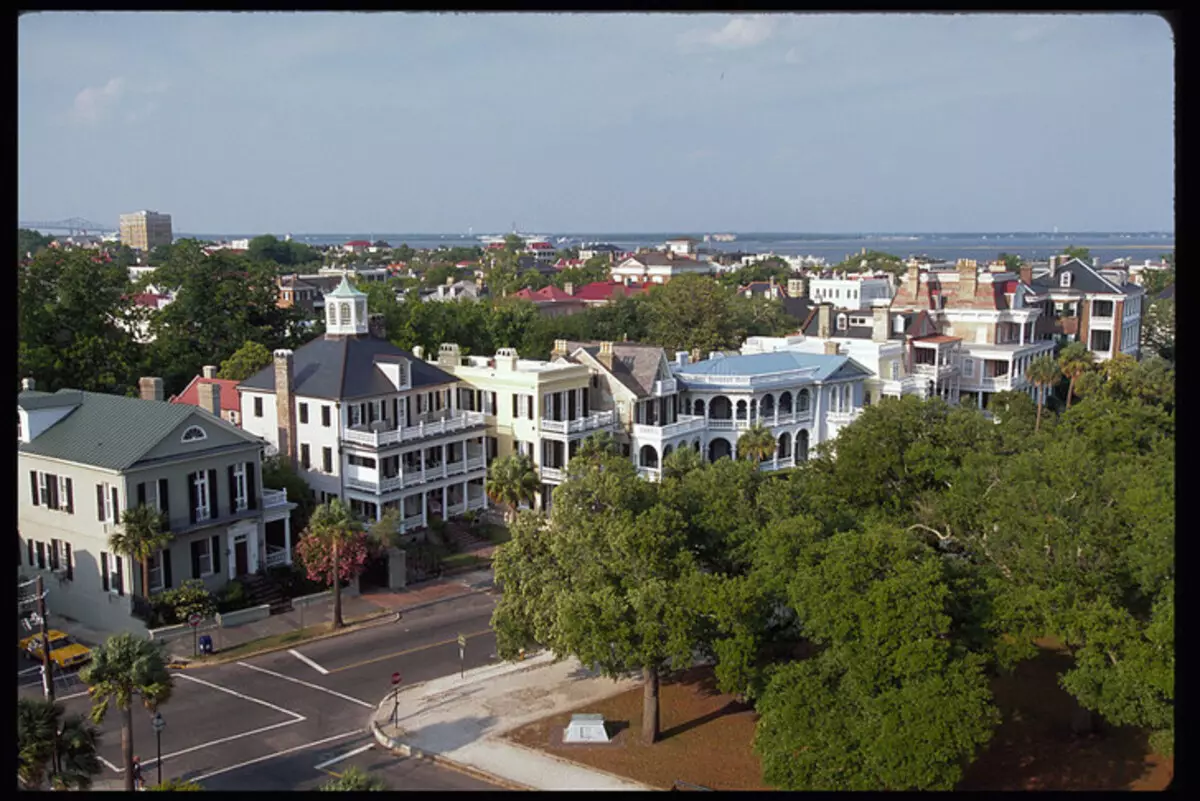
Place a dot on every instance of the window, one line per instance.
(156, 572)
(325, 416)
(304, 413)
(898, 324)
(201, 489)
(202, 561)
(193, 434)
(968, 367)
(516, 406)
(305, 459)
(1065, 279)
(111, 573)
(258, 407)
(107, 510)
(344, 313)
(327, 460)
(45, 482)
(41, 555)
(895, 365)
(238, 485)
(361, 461)
(841, 322)
(66, 495)
(332, 310)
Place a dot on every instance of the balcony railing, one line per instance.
(995, 384)
(579, 425)
(650, 473)
(475, 463)
(843, 417)
(277, 556)
(271, 498)
(378, 439)
(553, 473)
(686, 424)
(934, 369)
(777, 464)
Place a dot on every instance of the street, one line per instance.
(286, 720)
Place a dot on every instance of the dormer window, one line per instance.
(1065, 280)
(193, 434)
(898, 324)
(841, 322)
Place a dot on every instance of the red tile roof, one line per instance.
(551, 294)
(148, 299)
(231, 400)
(358, 243)
(607, 290)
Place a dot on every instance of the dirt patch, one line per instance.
(705, 737)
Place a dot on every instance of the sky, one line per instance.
(561, 123)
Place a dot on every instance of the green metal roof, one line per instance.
(110, 431)
(345, 290)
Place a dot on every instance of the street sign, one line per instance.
(395, 678)
(158, 722)
(462, 641)
(194, 620)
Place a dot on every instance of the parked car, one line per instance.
(64, 652)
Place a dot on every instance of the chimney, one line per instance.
(28, 384)
(824, 321)
(1027, 273)
(967, 278)
(208, 371)
(606, 355)
(681, 357)
(285, 405)
(569, 288)
(879, 324)
(560, 348)
(151, 388)
(795, 287)
(695, 355)
(210, 397)
(377, 326)
(1095, 261)
(449, 355)
(419, 352)
(1053, 265)
(831, 348)
(450, 281)
(506, 359)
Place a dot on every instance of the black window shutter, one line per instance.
(54, 554)
(104, 570)
(232, 490)
(216, 554)
(33, 485)
(100, 502)
(70, 563)
(116, 507)
(141, 493)
(166, 568)
(52, 480)
(164, 496)
(213, 510)
(196, 560)
(41, 555)
(251, 486)
(120, 575)
(29, 548)
(193, 495)
(70, 497)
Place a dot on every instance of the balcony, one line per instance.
(650, 473)
(935, 370)
(667, 386)
(360, 435)
(842, 418)
(273, 498)
(777, 464)
(996, 383)
(553, 475)
(686, 424)
(580, 425)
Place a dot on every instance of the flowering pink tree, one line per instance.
(334, 546)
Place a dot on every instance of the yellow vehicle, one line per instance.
(64, 652)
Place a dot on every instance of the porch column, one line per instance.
(424, 508)
(287, 538)
(444, 457)
(445, 504)
(466, 497)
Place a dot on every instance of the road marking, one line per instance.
(346, 755)
(27, 671)
(356, 732)
(307, 684)
(309, 662)
(295, 715)
(73, 695)
(409, 651)
(110, 765)
(224, 740)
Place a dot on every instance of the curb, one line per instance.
(403, 749)
(436, 601)
(370, 622)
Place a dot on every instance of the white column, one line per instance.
(424, 508)
(466, 497)
(287, 537)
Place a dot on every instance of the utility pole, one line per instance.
(47, 665)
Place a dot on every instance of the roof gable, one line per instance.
(231, 401)
(217, 434)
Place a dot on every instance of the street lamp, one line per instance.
(159, 724)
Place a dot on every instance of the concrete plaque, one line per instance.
(585, 729)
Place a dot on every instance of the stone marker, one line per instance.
(585, 729)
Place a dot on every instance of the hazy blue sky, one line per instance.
(438, 123)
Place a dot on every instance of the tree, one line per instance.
(871, 261)
(50, 744)
(511, 480)
(279, 474)
(680, 462)
(245, 362)
(1159, 328)
(1074, 252)
(334, 548)
(158, 255)
(513, 243)
(1012, 261)
(175, 785)
(1074, 361)
(602, 581)
(139, 537)
(123, 667)
(693, 311)
(756, 443)
(30, 243)
(1043, 372)
(355, 779)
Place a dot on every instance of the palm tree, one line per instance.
(1074, 361)
(334, 524)
(597, 446)
(355, 779)
(45, 736)
(1043, 372)
(139, 537)
(512, 480)
(125, 666)
(757, 443)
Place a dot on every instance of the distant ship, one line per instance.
(723, 237)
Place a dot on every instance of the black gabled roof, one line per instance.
(1086, 280)
(796, 308)
(342, 367)
(1168, 293)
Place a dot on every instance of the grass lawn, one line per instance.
(458, 560)
(707, 737)
(495, 533)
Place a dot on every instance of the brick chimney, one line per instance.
(28, 385)
(377, 326)
(449, 355)
(285, 404)
(419, 352)
(210, 397)
(879, 324)
(824, 321)
(606, 355)
(967, 278)
(1027, 273)
(569, 288)
(695, 357)
(831, 348)
(560, 348)
(208, 371)
(795, 287)
(151, 388)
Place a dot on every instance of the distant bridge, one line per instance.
(74, 226)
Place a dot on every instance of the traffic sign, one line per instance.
(395, 678)
(194, 620)
(462, 641)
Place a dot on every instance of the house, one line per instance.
(306, 292)
(990, 315)
(590, 251)
(682, 246)
(83, 457)
(552, 301)
(1081, 303)
(851, 291)
(658, 268)
(356, 246)
(196, 393)
(368, 422)
(598, 293)
(359, 272)
(539, 408)
(453, 290)
(540, 250)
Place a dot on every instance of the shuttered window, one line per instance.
(69, 560)
(104, 571)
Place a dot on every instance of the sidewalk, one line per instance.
(460, 722)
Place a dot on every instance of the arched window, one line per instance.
(193, 434)
(698, 409)
(841, 322)
(1065, 280)
(802, 446)
(332, 314)
(344, 313)
(802, 401)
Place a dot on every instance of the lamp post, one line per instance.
(159, 724)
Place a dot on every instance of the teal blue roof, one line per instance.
(762, 365)
(345, 290)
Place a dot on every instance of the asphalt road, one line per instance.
(282, 722)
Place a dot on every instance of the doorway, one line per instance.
(241, 556)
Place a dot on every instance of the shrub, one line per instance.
(232, 598)
(190, 597)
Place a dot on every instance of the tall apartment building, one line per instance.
(146, 230)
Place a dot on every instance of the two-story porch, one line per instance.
(988, 369)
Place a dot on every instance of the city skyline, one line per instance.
(445, 123)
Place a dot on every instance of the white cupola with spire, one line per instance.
(345, 311)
